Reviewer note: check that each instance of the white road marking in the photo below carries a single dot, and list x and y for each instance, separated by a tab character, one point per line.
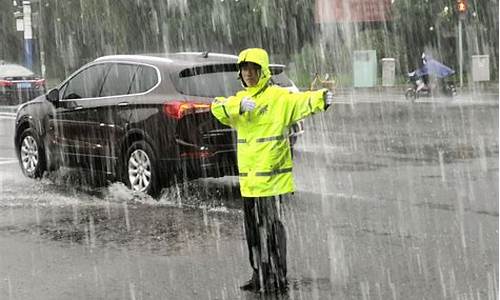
7	162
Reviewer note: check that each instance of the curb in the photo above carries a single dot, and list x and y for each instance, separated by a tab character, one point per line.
402	89
8	109
4	115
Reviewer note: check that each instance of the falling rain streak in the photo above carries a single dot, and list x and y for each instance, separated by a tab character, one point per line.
394	200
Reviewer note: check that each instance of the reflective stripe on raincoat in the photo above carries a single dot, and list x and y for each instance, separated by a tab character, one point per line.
264	156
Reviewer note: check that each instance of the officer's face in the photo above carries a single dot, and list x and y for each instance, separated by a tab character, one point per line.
250	73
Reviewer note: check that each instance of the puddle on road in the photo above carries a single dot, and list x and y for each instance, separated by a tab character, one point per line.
162	230
188	215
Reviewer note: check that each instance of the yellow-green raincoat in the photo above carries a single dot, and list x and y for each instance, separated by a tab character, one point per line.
264	157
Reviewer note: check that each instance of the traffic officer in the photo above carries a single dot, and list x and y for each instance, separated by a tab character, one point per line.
262	113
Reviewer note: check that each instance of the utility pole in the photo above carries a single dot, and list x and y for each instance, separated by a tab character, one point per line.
460	53
462	11
28	35
40	38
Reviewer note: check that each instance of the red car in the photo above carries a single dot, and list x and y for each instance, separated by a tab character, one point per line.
19	84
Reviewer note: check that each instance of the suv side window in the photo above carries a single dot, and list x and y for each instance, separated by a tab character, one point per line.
85	84
118	80
144	79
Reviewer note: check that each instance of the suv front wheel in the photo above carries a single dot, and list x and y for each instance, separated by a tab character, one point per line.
31	155
140	168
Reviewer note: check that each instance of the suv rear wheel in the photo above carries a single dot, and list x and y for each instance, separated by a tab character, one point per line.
31	155
141	173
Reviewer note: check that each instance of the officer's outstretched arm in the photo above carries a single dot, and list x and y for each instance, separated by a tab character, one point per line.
303	104
226	110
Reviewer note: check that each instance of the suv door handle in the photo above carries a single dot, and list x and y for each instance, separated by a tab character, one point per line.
123	104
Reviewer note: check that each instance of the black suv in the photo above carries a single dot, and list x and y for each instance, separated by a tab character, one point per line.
140	119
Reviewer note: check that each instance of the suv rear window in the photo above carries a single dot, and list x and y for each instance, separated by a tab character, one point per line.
218	80
279	77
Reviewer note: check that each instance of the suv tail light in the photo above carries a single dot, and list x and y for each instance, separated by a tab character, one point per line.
6	83
179	109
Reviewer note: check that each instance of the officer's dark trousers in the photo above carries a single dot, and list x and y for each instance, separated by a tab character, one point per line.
266	239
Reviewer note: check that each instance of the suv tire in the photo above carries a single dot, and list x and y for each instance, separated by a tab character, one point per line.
31	154
140	169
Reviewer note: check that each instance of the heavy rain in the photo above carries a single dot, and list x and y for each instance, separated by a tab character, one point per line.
132	191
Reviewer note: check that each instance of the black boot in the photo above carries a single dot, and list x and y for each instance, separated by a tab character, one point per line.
275	284
252	284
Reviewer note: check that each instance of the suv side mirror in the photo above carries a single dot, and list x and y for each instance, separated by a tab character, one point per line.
53	96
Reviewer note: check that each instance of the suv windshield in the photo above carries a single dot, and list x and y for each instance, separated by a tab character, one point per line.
219	80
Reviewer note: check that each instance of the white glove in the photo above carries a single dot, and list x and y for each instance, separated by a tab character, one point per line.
247	104
329	98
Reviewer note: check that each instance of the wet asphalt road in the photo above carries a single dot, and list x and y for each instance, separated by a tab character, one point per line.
393	201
